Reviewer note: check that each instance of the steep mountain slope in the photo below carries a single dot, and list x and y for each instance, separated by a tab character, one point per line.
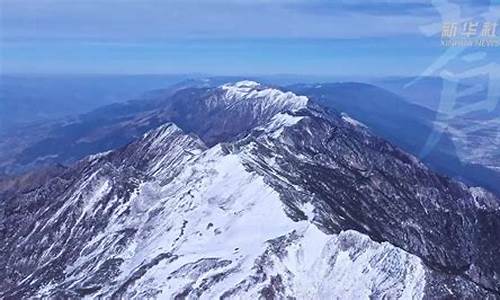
470	158
65	141
215	229
278	198
471	122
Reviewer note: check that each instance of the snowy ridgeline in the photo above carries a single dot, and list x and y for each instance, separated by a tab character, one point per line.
218	230
269	215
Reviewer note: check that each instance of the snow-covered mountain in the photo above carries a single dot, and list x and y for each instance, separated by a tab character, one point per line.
252	193
465	147
406	125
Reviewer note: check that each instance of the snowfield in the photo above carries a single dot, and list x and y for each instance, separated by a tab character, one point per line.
303	205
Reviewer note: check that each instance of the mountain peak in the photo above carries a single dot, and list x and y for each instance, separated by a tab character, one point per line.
240	88
247	83
303	207
162	131
163	146
258	93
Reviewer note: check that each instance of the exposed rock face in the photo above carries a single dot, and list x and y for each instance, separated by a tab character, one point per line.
465	147
276	199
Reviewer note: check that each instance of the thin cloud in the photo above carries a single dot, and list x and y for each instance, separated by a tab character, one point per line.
377	8
141	20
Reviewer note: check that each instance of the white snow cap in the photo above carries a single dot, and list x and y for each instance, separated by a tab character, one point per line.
247	89
246	83
240	87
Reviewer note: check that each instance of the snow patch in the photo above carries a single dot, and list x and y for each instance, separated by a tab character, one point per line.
352	121
279	122
250	90
98	155
247	83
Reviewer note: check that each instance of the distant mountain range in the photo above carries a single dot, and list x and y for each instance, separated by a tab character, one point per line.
31	98
471	158
470	119
410	126
242	191
26	98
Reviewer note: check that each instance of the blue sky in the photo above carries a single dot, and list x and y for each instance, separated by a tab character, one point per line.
239	37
